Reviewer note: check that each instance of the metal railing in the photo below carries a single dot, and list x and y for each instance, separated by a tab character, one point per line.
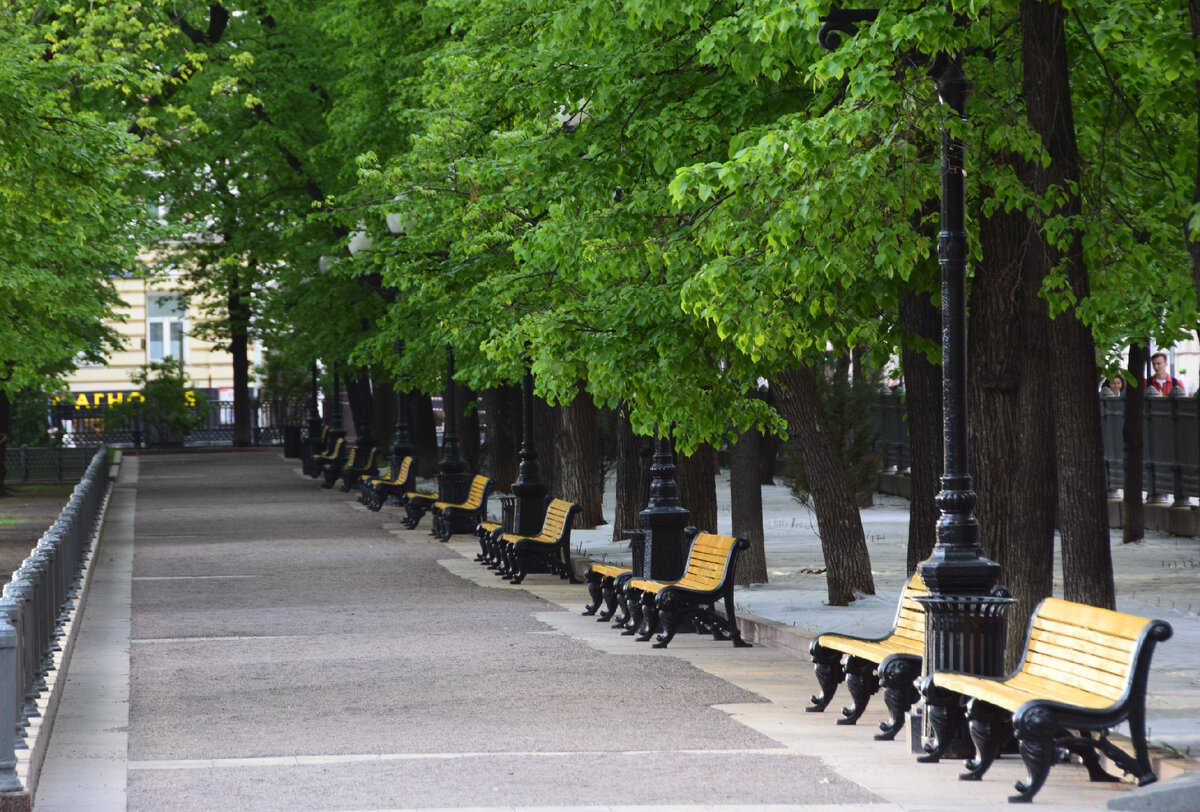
1171	445
87	428
40	465
35	605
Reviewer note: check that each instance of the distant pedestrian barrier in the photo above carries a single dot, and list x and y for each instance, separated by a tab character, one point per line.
35	605
27	465
1169	434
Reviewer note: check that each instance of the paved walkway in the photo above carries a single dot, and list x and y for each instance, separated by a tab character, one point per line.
252	641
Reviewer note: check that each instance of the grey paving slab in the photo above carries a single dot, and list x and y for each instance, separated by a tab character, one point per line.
279	648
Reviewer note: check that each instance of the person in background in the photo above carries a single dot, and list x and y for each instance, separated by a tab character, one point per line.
1113	387
1163	381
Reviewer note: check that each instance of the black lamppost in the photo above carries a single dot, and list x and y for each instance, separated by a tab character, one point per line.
529	490
964	611
452	470
401	444
664	519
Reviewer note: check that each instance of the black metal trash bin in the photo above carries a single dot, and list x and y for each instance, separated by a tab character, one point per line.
291	441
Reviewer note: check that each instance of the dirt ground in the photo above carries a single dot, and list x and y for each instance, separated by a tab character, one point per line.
26	513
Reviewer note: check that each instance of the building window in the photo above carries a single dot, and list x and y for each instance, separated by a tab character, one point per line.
165	317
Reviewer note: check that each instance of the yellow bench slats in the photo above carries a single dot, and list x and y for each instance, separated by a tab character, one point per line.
1077	654
609	570
906	637
873	651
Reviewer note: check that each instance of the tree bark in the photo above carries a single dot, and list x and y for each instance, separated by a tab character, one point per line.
577	458
1133	514
923	410
468	427
633	476
239	352
1194	245
768	457
697	478
504	434
5	431
1010	439
424	436
745	502
1086	554
358	393
847	561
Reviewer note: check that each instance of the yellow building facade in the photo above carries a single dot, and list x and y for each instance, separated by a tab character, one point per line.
159	321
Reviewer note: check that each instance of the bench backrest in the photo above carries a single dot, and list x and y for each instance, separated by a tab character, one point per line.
402	475
557	514
708	561
479	489
350	457
910	615
337	448
1083	646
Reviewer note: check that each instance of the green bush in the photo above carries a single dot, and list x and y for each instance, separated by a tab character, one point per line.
168	409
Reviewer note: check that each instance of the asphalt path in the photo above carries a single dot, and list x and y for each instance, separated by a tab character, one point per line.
288	651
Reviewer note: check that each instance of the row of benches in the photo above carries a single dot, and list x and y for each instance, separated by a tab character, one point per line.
1084	669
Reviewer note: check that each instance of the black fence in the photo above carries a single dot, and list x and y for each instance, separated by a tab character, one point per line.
41	465
88	428
1171	446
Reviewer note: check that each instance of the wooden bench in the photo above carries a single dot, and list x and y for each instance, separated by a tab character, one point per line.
469	513
319	461
376	490
350	457
549	550
312	447
416	504
1084	671
606	584
707	578
363	467
489	531
892	661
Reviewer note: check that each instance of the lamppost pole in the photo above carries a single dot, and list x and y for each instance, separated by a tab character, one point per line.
452	477
964	610
664	519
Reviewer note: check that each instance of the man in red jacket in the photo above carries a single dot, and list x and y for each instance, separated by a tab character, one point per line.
1163	381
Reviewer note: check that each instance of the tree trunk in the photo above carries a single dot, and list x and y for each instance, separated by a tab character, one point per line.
5	431
745	501
697	478
546	419
1087	556
1133	514
358	393
923	410
768	457
633	476
468	427
847	561
239	351
424	436
1010	439
1194	245
577	458
504	433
